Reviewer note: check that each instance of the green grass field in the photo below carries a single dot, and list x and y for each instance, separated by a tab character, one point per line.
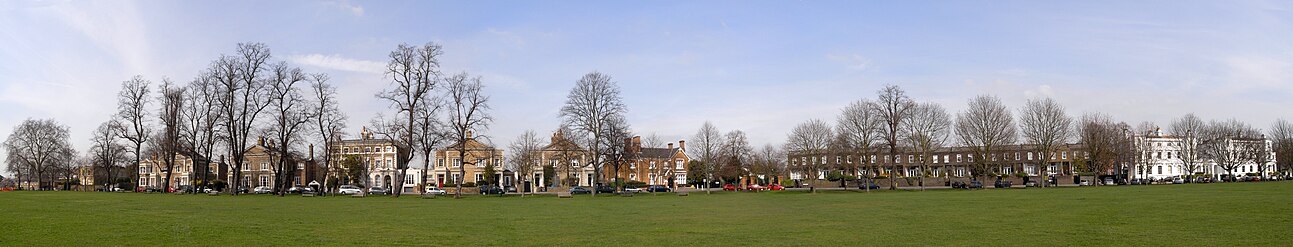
1203	214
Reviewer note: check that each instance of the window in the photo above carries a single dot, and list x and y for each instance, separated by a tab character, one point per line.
1064	155
264	180
264	166
994	157
633	176
677	164
389	149
1030	155
958	157
457	163
1016	155
479	178
910	158
439	162
633	165
652	166
1160	170
368	149
457	179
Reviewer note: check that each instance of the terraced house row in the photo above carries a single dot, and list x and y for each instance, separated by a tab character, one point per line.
1157	156
569	161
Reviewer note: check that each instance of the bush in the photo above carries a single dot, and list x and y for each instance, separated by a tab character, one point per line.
469	184
1021	174
787	183
635	183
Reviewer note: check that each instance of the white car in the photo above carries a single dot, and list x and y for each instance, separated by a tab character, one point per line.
262	190
350	190
632	189
436	191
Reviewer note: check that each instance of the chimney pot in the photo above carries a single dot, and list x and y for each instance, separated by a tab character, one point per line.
670	146
682	145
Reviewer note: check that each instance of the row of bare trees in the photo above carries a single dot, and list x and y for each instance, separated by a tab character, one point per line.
894	126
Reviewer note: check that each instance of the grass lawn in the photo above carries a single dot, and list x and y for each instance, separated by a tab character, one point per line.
1231	214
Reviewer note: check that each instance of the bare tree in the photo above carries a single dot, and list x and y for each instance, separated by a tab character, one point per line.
653	141
1281	133
38	147
169	116
415	74
983	127
708	142
241	88
1187	128
329	121
132	112
1046	128
812	139
926	131
768	162
614	132
467	104
1101	138
525	157
1223	142
859	126
199	119
107	155
594	101
736	155
289	113
893	107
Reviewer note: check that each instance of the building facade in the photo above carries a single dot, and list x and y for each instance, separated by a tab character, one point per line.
477	155
655	166
378	158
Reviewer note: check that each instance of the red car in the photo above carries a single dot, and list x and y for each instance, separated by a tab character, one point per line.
756	187
729	187
776	187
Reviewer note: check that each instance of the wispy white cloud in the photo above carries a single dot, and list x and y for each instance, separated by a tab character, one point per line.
346	5
338	62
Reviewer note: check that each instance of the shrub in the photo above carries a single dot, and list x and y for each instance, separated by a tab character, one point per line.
469	184
635	183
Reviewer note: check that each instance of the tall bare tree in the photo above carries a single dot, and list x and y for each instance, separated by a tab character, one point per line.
132	111
240	84
926	132
1281	133
653	140
170	117
983	127
708	143
1223	142
594	101
812	138
107	155
859	126
893	107
290	114
1187	128
525	158
38	147
415	74
768	162
329	121
466	107
614	131
1046	128
1101	138
736	155
199	119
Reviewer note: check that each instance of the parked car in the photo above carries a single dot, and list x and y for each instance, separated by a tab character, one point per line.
658	188
1030	184
1084	183
1003	184
632	189
378	191
976	184
435	191
1178	181
1108	181
729	187
262	190
296	190
491	190
579	190
350	190
509	189
756	187
871	185
776	187
605	189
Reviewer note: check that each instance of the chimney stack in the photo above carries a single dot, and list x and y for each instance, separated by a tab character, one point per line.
682	145
260	140
311	151
468	134
670	146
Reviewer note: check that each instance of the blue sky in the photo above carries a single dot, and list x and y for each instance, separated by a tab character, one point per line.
758	66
